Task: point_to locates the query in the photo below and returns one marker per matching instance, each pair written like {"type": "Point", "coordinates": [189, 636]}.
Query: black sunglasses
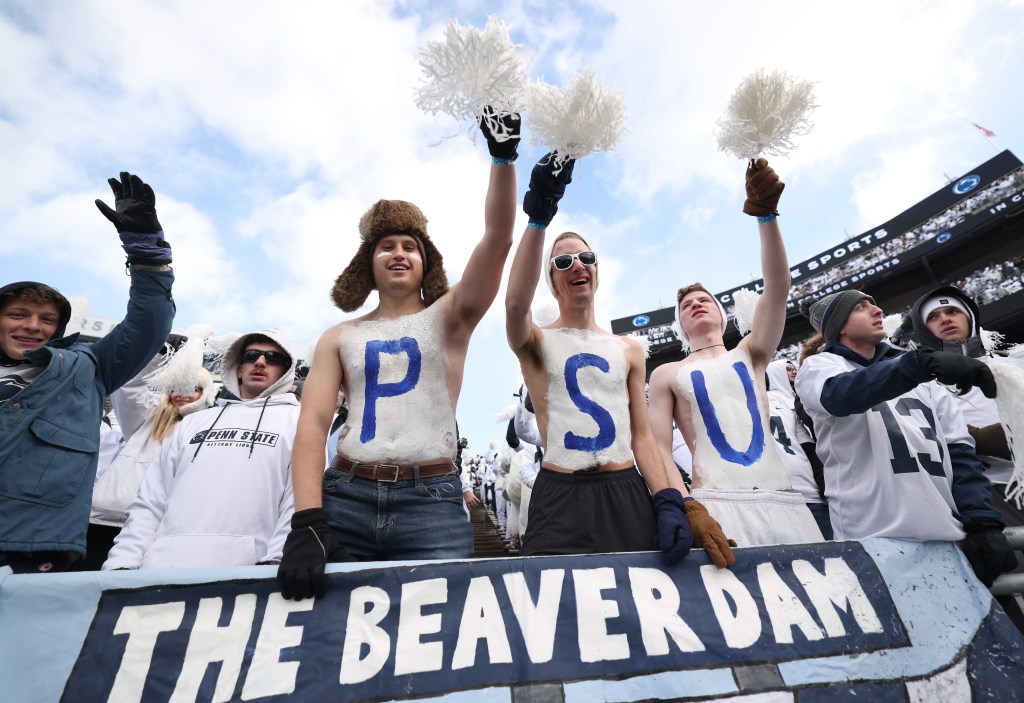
{"type": "Point", "coordinates": [250, 356]}
{"type": "Point", "coordinates": [564, 261]}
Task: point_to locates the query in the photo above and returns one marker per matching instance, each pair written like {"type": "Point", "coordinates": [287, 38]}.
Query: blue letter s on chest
{"type": "Point", "coordinates": [375, 389]}
{"type": "Point", "coordinates": [606, 426]}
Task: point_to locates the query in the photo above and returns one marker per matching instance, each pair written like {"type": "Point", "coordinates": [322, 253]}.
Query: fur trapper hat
{"type": "Point", "coordinates": [386, 217]}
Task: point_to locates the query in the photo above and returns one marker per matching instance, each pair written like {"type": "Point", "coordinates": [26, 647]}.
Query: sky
{"type": "Point", "coordinates": [268, 128]}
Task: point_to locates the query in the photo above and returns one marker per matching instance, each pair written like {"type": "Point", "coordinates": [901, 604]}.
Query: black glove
{"type": "Point", "coordinates": [957, 369]}
{"type": "Point", "coordinates": [501, 133]}
{"type": "Point", "coordinates": [987, 550]}
{"type": "Point", "coordinates": [547, 188]}
{"type": "Point", "coordinates": [134, 217]}
{"type": "Point", "coordinates": [310, 545]}
{"type": "Point", "coordinates": [674, 536]}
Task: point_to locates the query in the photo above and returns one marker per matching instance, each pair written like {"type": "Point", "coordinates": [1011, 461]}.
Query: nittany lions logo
{"type": "Point", "coordinates": [966, 184]}
{"type": "Point", "coordinates": [641, 320]}
{"type": "Point", "coordinates": [944, 237]}
{"type": "Point", "coordinates": [235, 435]}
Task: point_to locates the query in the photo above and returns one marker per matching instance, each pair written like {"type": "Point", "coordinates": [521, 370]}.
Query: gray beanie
{"type": "Point", "coordinates": [828, 314]}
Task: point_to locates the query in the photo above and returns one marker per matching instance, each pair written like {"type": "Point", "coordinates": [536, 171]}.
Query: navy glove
{"type": "Point", "coordinates": [546, 189]}
{"type": "Point", "coordinates": [957, 369]}
{"type": "Point", "coordinates": [674, 536]}
{"type": "Point", "coordinates": [987, 550]}
{"type": "Point", "coordinates": [308, 548]}
{"type": "Point", "coordinates": [134, 216]}
{"type": "Point", "coordinates": [507, 127]}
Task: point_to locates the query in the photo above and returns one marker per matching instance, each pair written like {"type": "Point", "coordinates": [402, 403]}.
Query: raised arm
{"type": "Point", "coordinates": [547, 186]}
{"type": "Point", "coordinates": [473, 295]}
{"type": "Point", "coordinates": [763, 191]}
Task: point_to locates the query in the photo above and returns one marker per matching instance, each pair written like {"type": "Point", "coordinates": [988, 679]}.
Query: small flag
{"type": "Point", "coordinates": [985, 132]}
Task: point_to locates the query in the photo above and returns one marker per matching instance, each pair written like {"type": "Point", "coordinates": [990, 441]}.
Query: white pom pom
{"type": "Point", "coordinates": [1016, 351]}
{"type": "Point", "coordinates": [583, 118]}
{"type": "Point", "coordinates": [1010, 403]}
{"type": "Point", "coordinates": [990, 340]}
{"type": "Point", "coordinates": [743, 312]}
{"type": "Point", "coordinates": [891, 323]}
{"type": "Point", "coordinates": [217, 346]}
{"type": "Point", "coordinates": [470, 70]}
{"type": "Point", "coordinates": [544, 313]}
{"type": "Point", "coordinates": [179, 370]}
{"type": "Point", "coordinates": [79, 310]}
{"type": "Point", "coordinates": [763, 115]}
{"type": "Point", "coordinates": [506, 413]}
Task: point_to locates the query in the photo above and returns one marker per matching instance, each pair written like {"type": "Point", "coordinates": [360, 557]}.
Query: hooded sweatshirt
{"type": "Point", "coordinates": [135, 407]}
{"type": "Point", "coordinates": [220, 491]}
{"type": "Point", "coordinates": [978, 410]}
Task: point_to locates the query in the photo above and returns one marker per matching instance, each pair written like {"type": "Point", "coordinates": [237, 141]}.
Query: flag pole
{"type": "Point", "coordinates": [984, 133]}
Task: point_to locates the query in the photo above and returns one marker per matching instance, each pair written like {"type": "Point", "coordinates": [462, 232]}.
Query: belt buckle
{"type": "Point", "coordinates": [393, 479]}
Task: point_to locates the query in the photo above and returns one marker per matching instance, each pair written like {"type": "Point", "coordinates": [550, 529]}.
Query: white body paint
{"type": "Point", "coordinates": [710, 469]}
{"type": "Point", "coordinates": [418, 425]}
{"type": "Point", "coordinates": [605, 389]}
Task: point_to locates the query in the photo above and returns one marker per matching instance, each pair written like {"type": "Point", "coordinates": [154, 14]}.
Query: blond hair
{"type": "Point", "coordinates": [165, 419]}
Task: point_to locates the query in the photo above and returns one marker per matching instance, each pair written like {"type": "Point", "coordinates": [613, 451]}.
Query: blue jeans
{"type": "Point", "coordinates": [380, 521]}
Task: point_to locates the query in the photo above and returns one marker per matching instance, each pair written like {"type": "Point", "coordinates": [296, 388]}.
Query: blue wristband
{"type": "Point", "coordinates": [764, 219]}
{"type": "Point", "coordinates": [538, 225]}
{"type": "Point", "coordinates": [498, 161]}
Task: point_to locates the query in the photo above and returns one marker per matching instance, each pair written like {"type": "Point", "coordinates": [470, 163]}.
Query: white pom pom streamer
{"type": "Point", "coordinates": [891, 323]}
{"type": "Point", "coordinates": [1016, 351]}
{"type": "Point", "coordinates": [1010, 403]}
{"type": "Point", "coordinates": [764, 114]}
{"type": "Point", "coordinates": [990, 340]}
{"type": "Point", "coordinates": [217, 346]}
{"type": "Point", "coordinates": [582, 118]}
{"type": "Point", "coordinates": [544, 313]}
{"type": "Point", "coordinates": [506, 413]}
{"type": "Point", "coordinates": [180, 368]}
{"type": "Point", "coordinates": [470, 70]}
{"type": "Point", "coordinates": [743, 312]}
{"type": "Point", "coordinates": [79, 310]}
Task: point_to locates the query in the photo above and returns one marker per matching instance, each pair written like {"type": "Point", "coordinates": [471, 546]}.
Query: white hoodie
{"type": "Point", "coordinates": [220, 491]}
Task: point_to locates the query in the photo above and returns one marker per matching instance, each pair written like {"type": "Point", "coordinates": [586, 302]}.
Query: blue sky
{"type": "Point", "coordinates": [268, 128]}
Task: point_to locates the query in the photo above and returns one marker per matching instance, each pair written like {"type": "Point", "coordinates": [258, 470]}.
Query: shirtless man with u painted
{"type": "Point", "coordinates": [718, 398]}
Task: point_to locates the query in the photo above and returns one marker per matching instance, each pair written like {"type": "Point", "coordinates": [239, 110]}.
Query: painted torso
{"type": "Point", "coordinates": [588, 403]}
{"type": "Point", "coordinates": [400, 410]}
{"type": "Point", "coordinates": [733, 446]}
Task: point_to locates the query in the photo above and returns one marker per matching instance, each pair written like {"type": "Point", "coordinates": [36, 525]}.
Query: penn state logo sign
{"type": "Point", "coordinates": [944, 237]}
{"type": "Point", "coordinates": [641, 320]}
{"type": "Point", "coordinates": [966, 184]}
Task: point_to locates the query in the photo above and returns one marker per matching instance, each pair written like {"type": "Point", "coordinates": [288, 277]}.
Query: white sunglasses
{"type": "Point", "coordinates": [564, 261]}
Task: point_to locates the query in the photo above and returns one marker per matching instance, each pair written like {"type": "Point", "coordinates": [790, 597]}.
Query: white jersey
{"type": "Point", "coordinates": [588, 402]}
{"type": "Point", "coordinates": [790, 433]}
{"type": "Point", "coordinates": [887, 471]}
{"type": "Point", "coordinates": [732, 448]}
{"type": "Point", "coordinates": [400, 410]}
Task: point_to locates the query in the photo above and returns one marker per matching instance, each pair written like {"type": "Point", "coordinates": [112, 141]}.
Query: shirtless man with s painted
{"type": "Point", "coordinates": [587, 387]}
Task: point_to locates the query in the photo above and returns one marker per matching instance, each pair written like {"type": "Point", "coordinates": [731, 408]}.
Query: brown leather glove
{"type": "Point", "coordinates": [708, 535]}
{"type": "Point", "coordinates": [763, 189]}
{"type": "Point", "coordinates": [991, 441]}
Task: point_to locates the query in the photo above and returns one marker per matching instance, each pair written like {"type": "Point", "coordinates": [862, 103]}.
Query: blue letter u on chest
{"type": "Point", "coordinates": [375, 389]}
{"type": "Point", "coordinates": [707, 411]}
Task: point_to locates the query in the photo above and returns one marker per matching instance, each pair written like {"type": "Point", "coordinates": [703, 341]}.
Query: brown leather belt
{"type": "Point", "coordinates": [389, 473]}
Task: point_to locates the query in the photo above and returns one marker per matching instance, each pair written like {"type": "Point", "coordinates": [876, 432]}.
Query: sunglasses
{"type": "Point", "coordinates": [272, 358]}
{"type": "Point", "coordinates": [564, 261]}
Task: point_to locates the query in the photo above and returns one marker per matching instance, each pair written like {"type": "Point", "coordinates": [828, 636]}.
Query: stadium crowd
{"type": "Point", "coordinates": [362, 461]}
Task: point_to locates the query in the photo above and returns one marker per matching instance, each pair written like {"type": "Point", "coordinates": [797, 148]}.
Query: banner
{"type": "Point", "coordinates": [882, 619]}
